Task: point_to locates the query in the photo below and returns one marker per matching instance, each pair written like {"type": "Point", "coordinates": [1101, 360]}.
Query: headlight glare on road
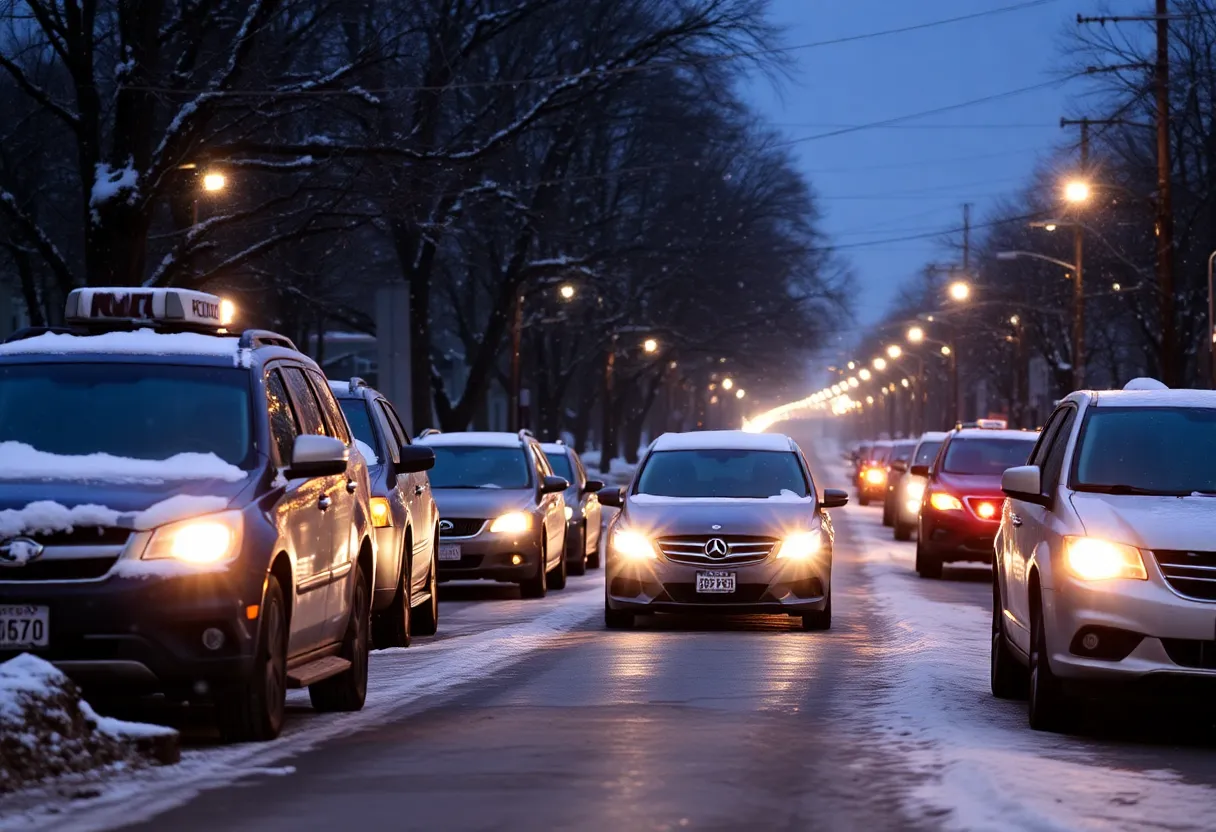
{"type": "Point", "coordinates": [633, 545]}
{"type": "Point", "coordinates": [513, 522]}
{"type": "Point", "coordinates": [875, 476]}
{"type": "Point", "coordinates": [1091, 559]}
{"type": "Point", "coordinates": [942, 501]}
{"type": "Point", "coordinates": [800, 546]}
{"type": "Point", "coordinates": [203, 540]}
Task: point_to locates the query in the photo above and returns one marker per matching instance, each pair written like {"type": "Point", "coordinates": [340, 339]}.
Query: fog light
{"type": "Point", "coordinates": [517, 560]}
{"type": "Point", "coordinates": [1090, 642]}
{"type": "Point", "coordinates": [213, 639]}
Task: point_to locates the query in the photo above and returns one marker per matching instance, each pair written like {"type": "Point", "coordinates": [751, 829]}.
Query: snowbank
{"type": "Point", "coordinates": [47, 730]}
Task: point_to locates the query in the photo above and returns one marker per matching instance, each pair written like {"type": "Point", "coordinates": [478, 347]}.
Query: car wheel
{"type": "Point", "coordinates": [425, 617]}
{"type": "Point", "coordinates": [928, 565]}
{"type": "Point", "coordinates": [593, 557]}
{"type": "Point", "coordinates": [903, 531]}
{"type": "Point", "coordinates": [888, 513]}
{"type": "Point", "coordinates": [253, 710]}
{"type": "Point", "coordinates": [862, 499]}
{"type": "Point", "coordinates": [391, 626]}
{"type": "Point", "coordinates": [1050, 709]}
{"type": "Point", "coordinates": [578, 563]}
{"type": "Point", "coordinates": [557, 578]}
{"type": "Point", "coordinates": [617, 619]}
{"type": "Point", "coordinates": [1006, 675]}
{"type": "Point", "coordinates": [537, 586]}
{"type": "Point", "coordinates": [819, 619]}
{"type": "Point", "coordinates": [348, 690]}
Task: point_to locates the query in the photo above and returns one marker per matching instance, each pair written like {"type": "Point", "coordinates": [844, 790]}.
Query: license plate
{"type": "Point", "coordinates": [715, 582]}
{"type": "Point", "coordinates": [24, 626]}
{"type": "Point", "coordinates": [449, 551]}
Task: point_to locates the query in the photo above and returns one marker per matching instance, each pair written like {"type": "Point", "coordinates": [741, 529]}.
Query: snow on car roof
{"type": "Point", "coordinates": [474, 438]}
{"type": "Point", "coordinates": [139, 342]}
{"type": "Point", "coordinates": [734, 440]}
{"type": "Point", "coordinates": [554, 447]}
{"type": "Point", "coordinates": [933, 435]}
{"type": "Point", "coordinates": [987, 433]}
{"type": "Point", "coordinates": [1155, 398]}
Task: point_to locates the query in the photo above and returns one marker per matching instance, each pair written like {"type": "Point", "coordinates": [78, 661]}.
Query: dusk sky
{"type": "Point", "coordinates": [913, 178]}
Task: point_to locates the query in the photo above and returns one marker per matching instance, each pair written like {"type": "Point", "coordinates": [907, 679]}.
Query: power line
{"type": "Point", "coordinates": [941, 233]}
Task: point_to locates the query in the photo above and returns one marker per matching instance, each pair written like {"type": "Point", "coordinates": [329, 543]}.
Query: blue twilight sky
{"type": "Point", "coordinates": [897, 181]}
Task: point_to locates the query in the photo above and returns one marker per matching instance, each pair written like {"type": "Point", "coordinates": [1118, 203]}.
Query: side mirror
{"type": "Point", "coordinates": [834, 498]}
{"type": "Point", "coordinates": [593, 486]}
{"type": "Point", "coordinates": [900, 466]}
{"type": "Point", "coordinates": [1024, 483]}
{"type": "Point", "coordinates": [554, 485]}
{"type": "Point", "coordinates": [613, 497]}
{"type": "Point", "coordinates": [317, 456]}
{"type": "Point", "coordinates": [919, 470]}
{"type": "Point", "coordinates": [416, 458]}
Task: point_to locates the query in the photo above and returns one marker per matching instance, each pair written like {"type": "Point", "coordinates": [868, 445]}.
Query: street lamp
{"type": "Point", "coordinates": [854, 383]}
{"type": "Point", "coordinates": [740, 393]}
{"type": "Point", "coordinates": [1078, 298]}
{"type": "Point", "coordinates": [567, 291]}
{"type": "Point", "coordinates": [880, 364]}
{"type": "Point", "coordinates": [864, 374]}
{"type": "Point", "coordinates": [650, 345]}
{"type": "Point", "coordinates": [214, 181]}
{"type": "Point", "coordinates": [894, 351]}
{"type": "Point", "coordinates": [946, 351]}
{"type": "Point", "coordinates": [728, 383]}
{"type": "Point", "coordinates": [1076, 190]}
{"type": "Point", "coordinates": [959, 291]}
{"type": "Point", "coordinates": [916, 335]}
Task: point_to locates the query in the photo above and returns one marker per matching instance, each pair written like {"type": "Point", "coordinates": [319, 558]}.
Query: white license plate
{"type": "Point", "coordinates": [449, 551]}
{"type": "Point", "coordinates": [715, 582]}
{"type": "Point", "coordinates": [24, 626]}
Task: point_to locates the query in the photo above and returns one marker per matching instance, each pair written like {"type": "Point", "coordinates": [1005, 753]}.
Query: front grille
{"type": "Point", "coordinates": [460, 527]}
{"type": "Point", "coordinates": [83, 554]}
{"type": "Point", "coordinates": [1192, 574]}
{"type": "Point", "coordinates": [1188, 652]}
{"type": "Point", "coordinates": [742, 549]}
{"type": "Point", "coordinates": [60, 569]}
{"type": "Point", "coordinates": [84, 536]}
{"type": "Point", "coordinates": [743, 594]}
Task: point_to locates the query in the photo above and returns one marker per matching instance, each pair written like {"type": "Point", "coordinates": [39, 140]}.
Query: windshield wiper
{"type": "Point", "coordinates": [1121, 488]}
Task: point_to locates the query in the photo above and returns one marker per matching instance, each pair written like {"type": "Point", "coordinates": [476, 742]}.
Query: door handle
{"type": "Point", "coordinates": [351, 486]}
{"type": "Point", "coordinates": [1015, 519]}
{"type": "Point", "coordinates": [325, 502]}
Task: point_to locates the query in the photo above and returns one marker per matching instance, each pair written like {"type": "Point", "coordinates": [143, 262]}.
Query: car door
{"type": "Point", "coordinates": [301, 522]}
{"type": "Point", "coordinates": [415, 490]}
{"type": "Point", "coordinates": [552, 506]}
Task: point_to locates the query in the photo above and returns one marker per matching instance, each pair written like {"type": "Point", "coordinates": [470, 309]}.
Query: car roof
{"type": "Point", "coordinates": [988, 433]}
{"type": "Point", "coordinates": [145, 347]}
{"type": "Point", "coordinates": [933, 436]}
{"type": "Point", "coordinates": [346, 390]}
{"type": "Point", "coordinates": [555, 447]}
{"type": "Point", "coordinates": [1152, 398]}
{"type": "Point", "coordinates": [473, 438]}
{"type": "Point", "coordinates": [735, 440]}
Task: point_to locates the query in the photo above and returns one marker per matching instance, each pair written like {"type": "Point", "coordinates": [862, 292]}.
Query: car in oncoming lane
{"type": "Point", "coordinates": [961, 506]}
{"type": "Point", "coordinates": [721, 522]}
{"type": "Point", "coordinates": [502, 514]}
{"type": "Point", "coordinates": [584, 517]}
{"type": "Point", "coordinates": [872, 473]}
{"type": "Point", "coordinates": [912, 486]}
{"type": "Point", "coordinates": [405, 601]}
{"type": "Point", "coordinates": [1105, 582]}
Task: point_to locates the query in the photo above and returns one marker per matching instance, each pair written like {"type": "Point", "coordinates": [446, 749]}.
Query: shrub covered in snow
{"type": "Point", "coordinates": [47, 730]}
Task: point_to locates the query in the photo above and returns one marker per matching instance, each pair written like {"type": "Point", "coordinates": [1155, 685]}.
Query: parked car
{"type": "Point", "coordinates": [405, 601]}
{"type": "Point", "coordinates": [503, 516]}
{"type": "Point", "coordinates": [896, 468]}
{"type": "Point", "coordinates": [911, 486]}
{"type": "Point", "coordinates": [584, 517]}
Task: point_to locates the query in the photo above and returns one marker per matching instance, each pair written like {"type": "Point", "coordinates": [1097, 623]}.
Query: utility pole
{"type": "Point", "coordinates": [517, 326]}
{"type": "Point", "coordinates": [1078, 279]}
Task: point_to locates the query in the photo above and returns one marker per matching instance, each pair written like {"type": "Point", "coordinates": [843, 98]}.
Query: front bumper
{"type": "Point", "coordinates": [773, 587]}
{"type": "Point", "coordinates": [488, 556]}
{"type": "Point", "coordinates": [956, 536]}
{"type": "Point", "coordinates": [1170, 638]}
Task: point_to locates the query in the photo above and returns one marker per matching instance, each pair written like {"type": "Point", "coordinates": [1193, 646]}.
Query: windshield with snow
{"type": "Point", "coordinates": [723, 473]}
{"type": "Point", "coordinates": [460, 466]}
{"type": "Point", "coordinates": [1157, 450]}
{"type": "Point", "coordinates": [138, 411]}
{"type": "Point", "coordinates": [988, 457]}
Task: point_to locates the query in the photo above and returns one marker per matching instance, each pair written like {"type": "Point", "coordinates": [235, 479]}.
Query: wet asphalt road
{"type": "Point", "coordinates": [744, 723]}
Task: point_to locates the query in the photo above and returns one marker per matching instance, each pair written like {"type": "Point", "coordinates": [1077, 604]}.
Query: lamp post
{"type": "Point", "coordinates": [1078, 300]}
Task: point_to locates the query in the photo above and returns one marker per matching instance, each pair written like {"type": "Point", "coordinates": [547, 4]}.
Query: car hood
{"type": "Point", "coordinates": [481, 502]}
{"type": "Point", "coordinates": [971, 485]}
{"type": "Point", "coordinates": [1187, 523]}
{"type": "Point", "coordinates": [674, 516]}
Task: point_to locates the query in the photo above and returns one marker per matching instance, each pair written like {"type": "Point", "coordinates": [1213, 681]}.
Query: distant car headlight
{"type": "Point", "coordinates": [569, 513]}
{"type": "Point", "coordinates": [914, 490]}
{"type": "Point", "coordinates": [942, 501]}
{"type": "Point", "coordinates": [1091, 559]}
{"type": "Point", "coordinates": [513, 522]}
{"type": "Point", "coordinates": [382, 513]}
{"type": "Point", "coordinates": [801, 546]}
{"type": "Point", "coordinates": [633, 545]}
{"type": "Point", "coordinates": [875, 476]}
{"type": "Point", "coordinates": [215, 538]}
{"type": "Point", "coordinates": [912, 506]}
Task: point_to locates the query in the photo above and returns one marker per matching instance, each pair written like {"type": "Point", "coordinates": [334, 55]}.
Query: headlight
{"type": "Point", "coordinates": [914, 490]}
{"type": "Point", "coordinates": [801, 545]}
{"type": "Point", "coordinates": [942, 501]}
{"type": "Point", "coordinates": [875, 476]}
{"type": "Point", "coordinates": [513, 522]}
{"type": "Point", "coordinates": [912, 506]}
{"type": "Point", "coordinates": [1091, 559]}
{"type": "Point", "coordinates": [569, 513]}
{"type": "Point", "coordinates": [633, 546]}
{"type": "Point", "coordinates": [215, 538]}
{"type": "Point", "coordinates": [382, 513]}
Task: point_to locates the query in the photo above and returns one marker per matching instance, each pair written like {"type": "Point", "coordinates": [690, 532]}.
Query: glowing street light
{"type": "Point", "coordinates": [1076, 190]}
{"type": "Point", "coordinates": [567, 291]}
{"type": "Point", "coordinates": [864, 374]}
{"type": "Point", "coordinates": [916, 335]}
{"type": "Point", "coordinates": [650, 345]}
{"type": "Point", "coordinates": [740, 393]}
{"type": "Point", "coordinates": [869, 400]}
{"type": "Point", "coordinates": [880, 364]}
{"type": "Point", "coordinates": [728, 383]}
{"type": "Point", "coordinates": [214, 181]}
{"type": "Point", "coordinates": [852, 364]}
{"type": "Point", "coordinates": [854, 383]}
{"type": "Point", "coordinates": [959, 291]}
{"type": "Point", "coordinates": [1015, 320]}
{"type": "Point", "coordinates": [903, 382]}
{"type": "Point", "coordinates": [946, 349]}
{"type": "Point", "coordinates": [894, 351]}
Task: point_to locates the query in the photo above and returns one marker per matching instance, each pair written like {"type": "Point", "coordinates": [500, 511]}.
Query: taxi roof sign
{"type": "Point", "coordinates": [180, 307]}
{"type": "Point", "coordinates": [991, 424]}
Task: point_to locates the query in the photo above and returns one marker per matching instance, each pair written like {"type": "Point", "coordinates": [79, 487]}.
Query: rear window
{"type": "Point", "coordinates": [986, 456]}
{"type": "Point", "coordinates": [903, 451]}
{"type": "Point", "coordinates": [738, 474]}
{"type": "Point", "coordinates": [926, 453]}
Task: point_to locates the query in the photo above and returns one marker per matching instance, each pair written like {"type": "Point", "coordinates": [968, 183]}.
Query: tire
{"type": "Point", "coordinates": [819, 619]}
{"type": "Point", "coordinates": [557, 578]}
{"type": "Point", "coordinates": [903, 531]}
{"type": "Point", "coordinates": [424, 619]}
{"type": "Point", "coordinates": [928, 565]}
{"type": "Point", "coordinates": [862, 499]}
{"type": "Point", "coordinates": [1050, 709]}
{"type": "Point", "coordinates": [617, 619]}
{"type": "Point", "coordinates": [593, 559]}
{"type": "Point", "coordinates": [888, 513]}
{"type": "Point", "coordinates": [348, 690]}
{"type": "Point", "coordinates": [537, 585]}
{"type": "Point", "coordinates": [252, 711]}
{"type": "Point", "coordinates": [391, 626]}
{"type": "Point", "coordinates": [578, 564]}
{"type": "Point", "coordinates": [1007, 677]}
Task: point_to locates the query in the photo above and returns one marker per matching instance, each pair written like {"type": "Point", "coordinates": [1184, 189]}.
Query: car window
{"type": "Point", "coordinates": [390, 431]}
{"type": "Point", "coordinates": [1161, 450]}
{"type": "Point", "coordinates": [880, 454]}
{"type": "Point", "coordinates": [984, 456]}
{"type": "Point", "coordinates": [471, 466]}
{"type": "Point", "coordinates": [395, 420]}
{"type": "Point", "coordinates": [926, 452]}
{"type": "Point", "coordinates": [902, 452]}
{"type": "Point", "coordinates": [560, 463]}
{"type": "Point", "coordinates": [360, 421]}
{"type": "Point", "coordinates": [723, 473]}
{"type": "Point", "coordinates": [304, 403]}
{"type": "Point", "coordinates": [1053, 464]}
{"type": "Point", "coordinates": [329, 406]}
{"type": "Point", "coordinates": [283, 430]}
{"type": "Point", "coordinates": [1039, 455]}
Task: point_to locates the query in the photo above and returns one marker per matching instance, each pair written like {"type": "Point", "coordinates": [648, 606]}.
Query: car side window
{"type": "Point", "coordinates": [1053, 464]}
{"type": "Point", "coordinates": [396, 422]}
{"type": "Point", "coordinates": [391, 437]}
{"type": "Point", "coordinates": [1039, 455]}
{"type": "Point", "coordinates": [304, 402]}
{"type": "Point", "coordinates": [283, 428]}
{"type": "Point", "coordinates": [329, 406]}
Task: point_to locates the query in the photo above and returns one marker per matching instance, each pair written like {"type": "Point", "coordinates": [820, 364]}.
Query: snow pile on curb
{"type": "Point", "coordinates": [47, 730]}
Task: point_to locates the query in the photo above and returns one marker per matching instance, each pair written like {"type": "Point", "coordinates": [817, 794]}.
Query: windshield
{"type": "Point", "coordinates": [458, 466]}
{"type": "Point", "coordinates": [902, 452]}
{"type": "Point", "coordinates": [561, 466]}
{"type": "Point", "coordinates": [136, 411]}
{"type": "Point", "coordinates": [926, 453]}
{"type": "Point", "coordinates": [722, 473]}
{"type": "Point", "coordinates": [987, 456]}
{"type": "Point", "coordinates": [1166, 450]}
{"type": "Point", "coordinates": [880, 454]}
{"type": "Point", "coordinates": [360, 420]}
